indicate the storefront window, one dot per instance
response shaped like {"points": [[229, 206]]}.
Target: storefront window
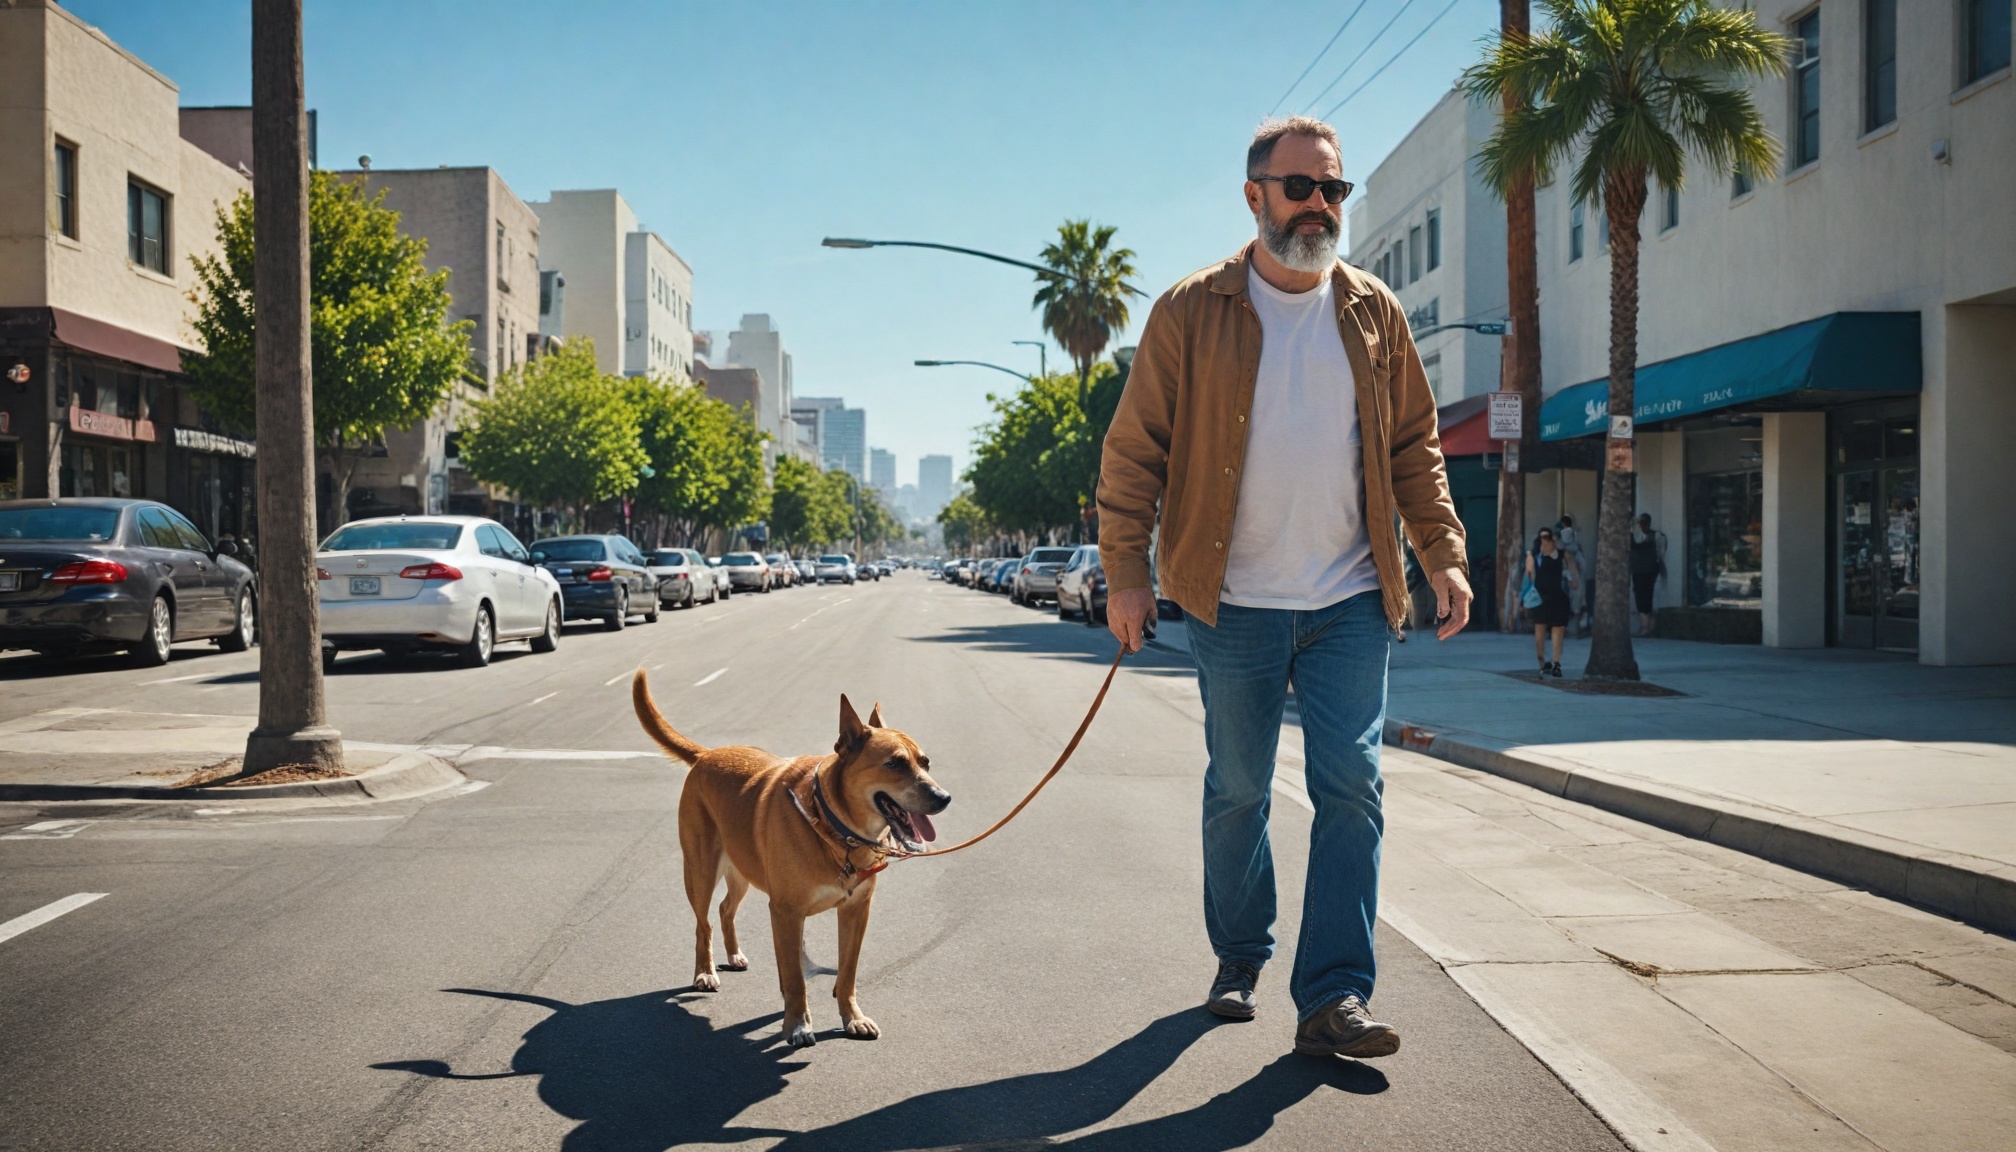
{"points": [[1725, 519]]}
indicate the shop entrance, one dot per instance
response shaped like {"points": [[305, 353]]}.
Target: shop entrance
{"points": [[1876, 561]]}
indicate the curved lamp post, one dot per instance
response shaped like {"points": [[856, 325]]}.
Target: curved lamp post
{"points": [[848, 242], [976, 364]]}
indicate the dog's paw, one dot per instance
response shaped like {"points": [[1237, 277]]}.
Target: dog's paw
{"points": [[862, 1028], [800, 1035], [706, 982], [737, 963]]}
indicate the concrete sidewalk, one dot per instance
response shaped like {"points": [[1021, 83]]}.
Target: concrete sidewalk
{"points": [[1866, 767]]}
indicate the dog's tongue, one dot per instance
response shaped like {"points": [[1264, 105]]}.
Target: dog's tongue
{"points": [[924, 827]]}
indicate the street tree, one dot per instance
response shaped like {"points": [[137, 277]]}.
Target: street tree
{"points": [[1625, 89], [383, 352], [808, 509], [556, 431], [706, 461], [1084, 301], [1018, 458], [965, 522]]}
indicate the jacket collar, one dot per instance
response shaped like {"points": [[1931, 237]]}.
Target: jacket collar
{"points": [[1229, 278]]}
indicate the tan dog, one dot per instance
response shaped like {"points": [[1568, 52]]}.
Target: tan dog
{"points": [[811, 832]]}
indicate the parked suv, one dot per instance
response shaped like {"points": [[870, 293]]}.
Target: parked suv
{"points": [[836, 566], [602, 578]]}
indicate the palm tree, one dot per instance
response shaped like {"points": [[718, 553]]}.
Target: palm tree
{"points": [[1626, 89], [1085, 301]]}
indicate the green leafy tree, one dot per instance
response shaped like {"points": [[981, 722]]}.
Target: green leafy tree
{"points": [[1626, 89], [706, 461], [965, 522], [1085, 301], [808, 508], [383, 353], [1011, 482], [557, 432]]}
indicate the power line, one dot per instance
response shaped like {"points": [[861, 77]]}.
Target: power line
{"points": [[1360, 56], [1396, 56], [1319, 57]]}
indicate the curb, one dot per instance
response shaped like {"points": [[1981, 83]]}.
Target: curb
{"points": [[404, 776], [1982, 892]]}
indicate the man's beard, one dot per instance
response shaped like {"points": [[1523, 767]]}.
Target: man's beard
{"points": [[1311, 252]]}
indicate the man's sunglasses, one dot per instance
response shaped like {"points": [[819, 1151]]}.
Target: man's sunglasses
{"points": [[1298, 188]]}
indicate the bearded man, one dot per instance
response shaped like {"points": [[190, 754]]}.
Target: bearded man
{"points": [[1276, 419]]}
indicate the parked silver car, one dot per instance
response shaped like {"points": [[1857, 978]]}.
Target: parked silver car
{"points": [[1081, 586], [783, 573], [1035, 577], [747, 571], [684, 579]]}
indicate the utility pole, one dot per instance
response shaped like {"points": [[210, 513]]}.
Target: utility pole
{"points": [[293, 727], [1519, 365]]}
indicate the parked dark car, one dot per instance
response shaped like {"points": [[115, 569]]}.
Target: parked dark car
{"points": [[1081, 586], [604, 578], [84, 574]]}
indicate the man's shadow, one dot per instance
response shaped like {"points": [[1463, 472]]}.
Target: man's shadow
{"points": [[642, 1072]]}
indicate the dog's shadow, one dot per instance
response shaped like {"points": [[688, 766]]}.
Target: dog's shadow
{"points": [[643, 1072]]}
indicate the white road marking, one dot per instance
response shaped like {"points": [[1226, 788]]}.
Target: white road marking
{"points": [[179, 679], [48, 830], [471, 786], [618, 676], [543, 699], [709, 678], [220, 811], [46, 913]]}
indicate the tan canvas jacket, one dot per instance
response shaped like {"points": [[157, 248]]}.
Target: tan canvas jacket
{"points": [[1178, 441]]}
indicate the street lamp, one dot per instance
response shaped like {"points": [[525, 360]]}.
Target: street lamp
{"points": [[974, 363], [1042, 354], [848, 242]]}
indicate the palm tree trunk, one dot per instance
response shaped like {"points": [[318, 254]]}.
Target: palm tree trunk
{"points": [[1610, 656], [1519, 369]]}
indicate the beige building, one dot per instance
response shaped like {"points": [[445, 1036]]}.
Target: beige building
{"points": [[488, 240], [626, 289], [104, 207], [1827, 359]]}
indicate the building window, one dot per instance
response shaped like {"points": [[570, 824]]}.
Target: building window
{"points": [[1669, 207], [1879, 63], [1985, 38], [1806, 90], [66, 189], [1575, 232], [1413, 253], [1434, 238], [1399, 263], [147, 227], [1739, 183]]}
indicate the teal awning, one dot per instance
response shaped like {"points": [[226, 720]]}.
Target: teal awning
{"points": [[1803, 365]]}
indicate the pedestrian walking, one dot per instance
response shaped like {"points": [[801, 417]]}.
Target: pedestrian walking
{"points": [[1648, 567], [1550, 573], [1278, 418]]}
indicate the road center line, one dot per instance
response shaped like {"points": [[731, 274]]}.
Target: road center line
{"points": [[179, 679], [618, 676], [543, 699], [48, 830], [709, 678], [46, 913]]}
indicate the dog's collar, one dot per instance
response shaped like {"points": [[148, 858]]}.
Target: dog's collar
{"points": [[849, 839]]}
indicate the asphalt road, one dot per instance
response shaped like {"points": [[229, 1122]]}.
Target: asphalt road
{"points": [[507, 967]]}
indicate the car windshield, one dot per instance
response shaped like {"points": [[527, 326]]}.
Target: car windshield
{"points": [[1050, 556], [666, 559], [548, 550], [95, 525], [740, 560], [394, 535], [832, 560]]}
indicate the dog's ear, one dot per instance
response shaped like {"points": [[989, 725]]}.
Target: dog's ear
{"points": [[853, 733], [875, 716]]}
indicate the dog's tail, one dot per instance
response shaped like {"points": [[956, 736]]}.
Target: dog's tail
{"points": [[655, 724]]}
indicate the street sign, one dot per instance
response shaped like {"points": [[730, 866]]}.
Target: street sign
{"points": [[1505, 413], [1620, 427]]}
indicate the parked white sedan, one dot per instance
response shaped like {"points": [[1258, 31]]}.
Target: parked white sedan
{"points": [[684, 579], [406, 583]]}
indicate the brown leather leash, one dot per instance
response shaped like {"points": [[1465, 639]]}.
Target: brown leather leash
{"points": [[890, 854]]}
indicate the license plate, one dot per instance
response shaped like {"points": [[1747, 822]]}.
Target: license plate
{"points": [[10, 581], [363, 585]]}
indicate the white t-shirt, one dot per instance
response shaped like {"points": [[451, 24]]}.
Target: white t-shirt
{"points": [[1298, 536]]}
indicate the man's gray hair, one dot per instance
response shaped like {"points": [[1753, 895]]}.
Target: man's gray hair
{"points": [[1270, 133]]}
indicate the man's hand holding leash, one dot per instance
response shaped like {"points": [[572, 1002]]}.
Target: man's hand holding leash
{"points": [[1127, 615]]}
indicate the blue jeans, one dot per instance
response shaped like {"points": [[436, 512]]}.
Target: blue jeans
{"points": [[1336, 659]]}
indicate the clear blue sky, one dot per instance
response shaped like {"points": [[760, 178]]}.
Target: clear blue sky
{"points": [[745, 132]]}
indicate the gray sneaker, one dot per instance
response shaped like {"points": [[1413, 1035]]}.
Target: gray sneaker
{"points": [[1341, 1028], [1232, 992]]}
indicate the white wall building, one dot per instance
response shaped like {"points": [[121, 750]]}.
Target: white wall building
{"points": [[1826, 388], [626, 289], [658, 308], [1428, 226]]}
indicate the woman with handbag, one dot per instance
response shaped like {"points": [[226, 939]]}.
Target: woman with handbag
{"points": [[1549, 573]]}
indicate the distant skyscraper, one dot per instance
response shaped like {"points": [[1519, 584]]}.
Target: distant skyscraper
{"points": [[934, 485], [844, 442], [882, 469]]}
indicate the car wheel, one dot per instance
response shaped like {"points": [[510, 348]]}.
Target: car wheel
{"points": [[246, 628], [1061, 613], [157, 645], [1096, 616], [482, 640], [621, 616], [651, 617], [328, 661], [549, 638]]}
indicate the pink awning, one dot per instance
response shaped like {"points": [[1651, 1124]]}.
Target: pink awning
{"points": [[88, 335]]}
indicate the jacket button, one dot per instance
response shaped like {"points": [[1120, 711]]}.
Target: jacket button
{"points": [[1228, 471], [1218, 544], [1242, 418]]}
